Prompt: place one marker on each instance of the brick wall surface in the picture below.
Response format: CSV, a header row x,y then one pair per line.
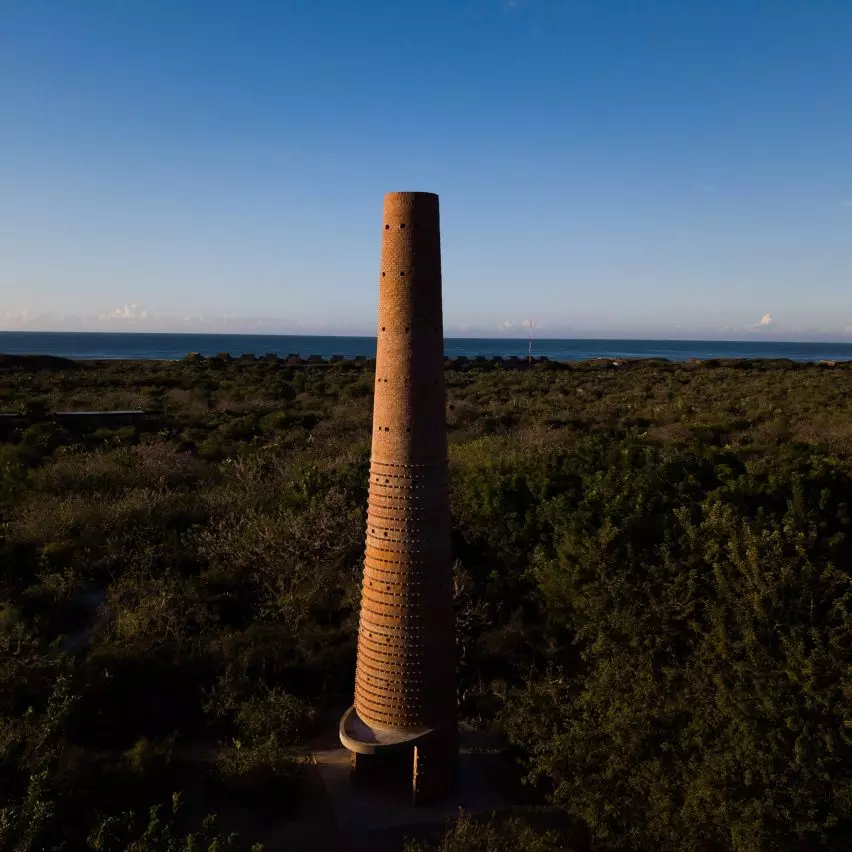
x,y
405,675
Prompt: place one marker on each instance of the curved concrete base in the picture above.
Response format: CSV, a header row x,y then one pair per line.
x,y
361,738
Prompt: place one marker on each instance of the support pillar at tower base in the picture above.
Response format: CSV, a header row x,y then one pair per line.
x,y
435,768
425,760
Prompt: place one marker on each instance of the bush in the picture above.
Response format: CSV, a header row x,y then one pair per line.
x,y
652,593
506,835
705,705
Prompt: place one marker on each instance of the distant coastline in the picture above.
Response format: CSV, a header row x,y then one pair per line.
x,y
171,346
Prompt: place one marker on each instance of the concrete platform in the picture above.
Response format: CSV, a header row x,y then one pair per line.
x,y
356,735
380,818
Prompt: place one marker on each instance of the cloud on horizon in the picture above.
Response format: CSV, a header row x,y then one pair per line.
x,y
126,312
507,325
765,321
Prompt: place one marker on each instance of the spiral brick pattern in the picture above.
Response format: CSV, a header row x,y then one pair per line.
x,y
406,666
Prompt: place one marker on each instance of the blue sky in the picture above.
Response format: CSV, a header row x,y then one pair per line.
x,y
654,168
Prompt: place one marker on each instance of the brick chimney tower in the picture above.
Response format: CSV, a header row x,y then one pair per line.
x,y
405,694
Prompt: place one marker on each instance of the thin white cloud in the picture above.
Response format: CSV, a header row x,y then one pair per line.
x,y
133,317
766,321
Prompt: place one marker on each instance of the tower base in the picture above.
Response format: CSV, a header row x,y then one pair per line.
x,y
426,759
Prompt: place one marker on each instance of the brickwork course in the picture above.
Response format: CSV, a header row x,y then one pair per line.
x,y
405,675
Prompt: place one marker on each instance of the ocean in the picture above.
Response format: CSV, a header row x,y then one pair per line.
x,y
101,345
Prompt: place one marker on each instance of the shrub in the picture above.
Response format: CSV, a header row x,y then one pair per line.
x,y
506,835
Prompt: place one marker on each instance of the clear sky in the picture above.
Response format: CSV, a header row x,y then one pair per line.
x,y
653,168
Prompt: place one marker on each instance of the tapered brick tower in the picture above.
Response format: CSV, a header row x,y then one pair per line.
x,y
405,695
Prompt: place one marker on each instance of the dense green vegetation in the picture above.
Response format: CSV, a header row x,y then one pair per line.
x,y
654,609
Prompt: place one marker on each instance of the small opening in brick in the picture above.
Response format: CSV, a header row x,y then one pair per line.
x,y
402,225
383,328
387,227
402,273
383,274
406,328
